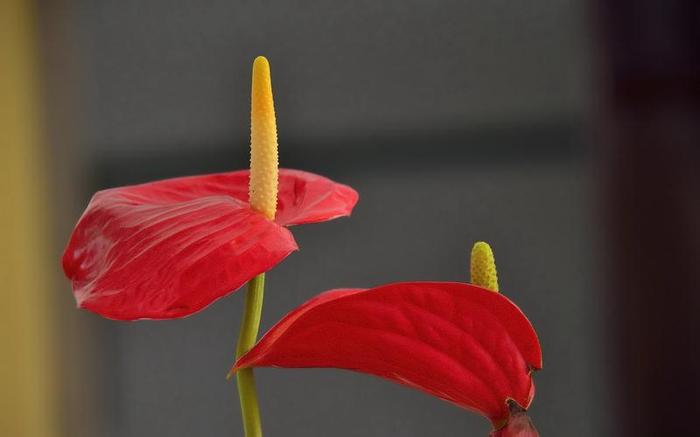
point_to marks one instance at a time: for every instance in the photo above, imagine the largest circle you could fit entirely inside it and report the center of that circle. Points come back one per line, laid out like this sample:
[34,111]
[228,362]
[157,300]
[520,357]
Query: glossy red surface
[459,342]
[169,248]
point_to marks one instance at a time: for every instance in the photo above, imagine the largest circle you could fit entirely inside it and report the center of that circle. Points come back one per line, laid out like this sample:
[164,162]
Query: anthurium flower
[169,248]
[460,342]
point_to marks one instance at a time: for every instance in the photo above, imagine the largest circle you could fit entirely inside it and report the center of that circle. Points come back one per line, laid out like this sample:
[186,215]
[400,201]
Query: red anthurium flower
[167,249]
[460,342]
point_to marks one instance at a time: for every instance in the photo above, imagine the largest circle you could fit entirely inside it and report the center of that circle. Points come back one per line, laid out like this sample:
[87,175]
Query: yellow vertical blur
[26,407]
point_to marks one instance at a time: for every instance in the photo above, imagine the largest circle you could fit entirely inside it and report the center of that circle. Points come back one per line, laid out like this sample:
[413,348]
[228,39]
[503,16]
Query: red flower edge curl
[459,342]
[169,248]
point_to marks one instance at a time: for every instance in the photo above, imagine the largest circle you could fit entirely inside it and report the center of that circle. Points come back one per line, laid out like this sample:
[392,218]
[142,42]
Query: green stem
[247,337]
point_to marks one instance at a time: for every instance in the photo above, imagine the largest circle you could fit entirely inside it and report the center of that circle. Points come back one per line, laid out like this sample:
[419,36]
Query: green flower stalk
[263,198]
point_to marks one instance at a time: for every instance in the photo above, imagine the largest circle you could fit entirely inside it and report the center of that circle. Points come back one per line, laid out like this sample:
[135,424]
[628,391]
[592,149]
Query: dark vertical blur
[649,59]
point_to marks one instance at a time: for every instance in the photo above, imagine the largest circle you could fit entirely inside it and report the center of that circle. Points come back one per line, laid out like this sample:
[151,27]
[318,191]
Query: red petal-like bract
[308,198]
[456,341]
[302,198]
[169,248]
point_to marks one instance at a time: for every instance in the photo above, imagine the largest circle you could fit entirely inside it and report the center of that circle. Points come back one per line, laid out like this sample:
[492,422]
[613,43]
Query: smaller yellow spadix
[263,142]
[483,267]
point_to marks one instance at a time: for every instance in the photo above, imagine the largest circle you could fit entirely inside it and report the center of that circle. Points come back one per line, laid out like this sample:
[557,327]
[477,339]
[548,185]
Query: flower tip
[261,62]
[261,73]
[481,245]
[483,266]
[262,82]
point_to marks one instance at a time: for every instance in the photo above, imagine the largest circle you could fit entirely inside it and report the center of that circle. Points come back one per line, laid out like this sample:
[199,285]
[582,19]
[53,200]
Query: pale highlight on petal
[483,267]
[263,142]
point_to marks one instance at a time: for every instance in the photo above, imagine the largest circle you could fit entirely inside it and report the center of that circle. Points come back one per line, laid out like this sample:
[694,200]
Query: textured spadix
[483,266]
[263,141]
[456,341]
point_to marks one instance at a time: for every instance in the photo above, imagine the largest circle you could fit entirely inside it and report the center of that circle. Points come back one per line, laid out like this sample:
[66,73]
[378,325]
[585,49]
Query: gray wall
[168,72]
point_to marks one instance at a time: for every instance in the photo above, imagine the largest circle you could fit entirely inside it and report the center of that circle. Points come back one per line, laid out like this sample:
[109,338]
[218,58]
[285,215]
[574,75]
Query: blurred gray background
[457,121]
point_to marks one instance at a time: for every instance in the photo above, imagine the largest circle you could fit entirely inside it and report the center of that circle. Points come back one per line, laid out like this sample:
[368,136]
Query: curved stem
[247,393]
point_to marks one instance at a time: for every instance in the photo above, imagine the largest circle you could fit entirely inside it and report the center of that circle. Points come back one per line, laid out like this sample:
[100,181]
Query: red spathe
[462,343]
[169,248]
